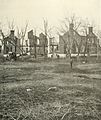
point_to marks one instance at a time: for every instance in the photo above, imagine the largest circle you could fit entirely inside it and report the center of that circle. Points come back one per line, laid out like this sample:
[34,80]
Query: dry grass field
[50,90]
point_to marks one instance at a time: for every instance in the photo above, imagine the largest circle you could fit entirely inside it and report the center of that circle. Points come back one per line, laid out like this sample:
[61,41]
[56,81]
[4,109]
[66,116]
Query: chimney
[12,32]
[71,26]
[90,30]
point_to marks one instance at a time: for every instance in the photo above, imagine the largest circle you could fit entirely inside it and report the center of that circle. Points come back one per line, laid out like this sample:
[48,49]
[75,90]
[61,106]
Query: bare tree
[71,39]
[85,26]
[35,42]
[11,24]
[98,32]
[71,19]
[47,31]
[45,25]
[21,35]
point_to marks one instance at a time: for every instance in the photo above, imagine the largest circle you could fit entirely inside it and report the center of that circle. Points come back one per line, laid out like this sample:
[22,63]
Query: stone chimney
[12,32]
[90,29]
[71,26]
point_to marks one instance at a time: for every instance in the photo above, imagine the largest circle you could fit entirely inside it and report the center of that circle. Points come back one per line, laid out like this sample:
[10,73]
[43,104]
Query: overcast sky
[54,10]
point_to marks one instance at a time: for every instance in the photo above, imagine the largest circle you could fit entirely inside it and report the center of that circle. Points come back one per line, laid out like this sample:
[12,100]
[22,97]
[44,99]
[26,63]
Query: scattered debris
[28,89]
[52,89]
[83,62]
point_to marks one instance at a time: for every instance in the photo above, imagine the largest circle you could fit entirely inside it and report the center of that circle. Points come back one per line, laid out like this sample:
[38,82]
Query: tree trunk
[44,49]
[22,44]
[35,51]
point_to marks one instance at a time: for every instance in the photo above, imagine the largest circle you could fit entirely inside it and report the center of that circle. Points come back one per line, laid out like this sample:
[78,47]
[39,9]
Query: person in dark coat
[14,56]
[71,63]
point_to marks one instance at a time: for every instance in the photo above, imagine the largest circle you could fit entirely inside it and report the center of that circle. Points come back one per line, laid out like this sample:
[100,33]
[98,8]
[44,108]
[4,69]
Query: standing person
[71,62]
[14,56]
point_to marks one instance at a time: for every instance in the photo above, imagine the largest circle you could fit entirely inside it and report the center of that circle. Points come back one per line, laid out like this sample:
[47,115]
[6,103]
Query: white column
[48,45]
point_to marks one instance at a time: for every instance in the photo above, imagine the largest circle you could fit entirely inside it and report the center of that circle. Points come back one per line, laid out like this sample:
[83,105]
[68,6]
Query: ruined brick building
[11,43]
[74,43]
[39,44]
